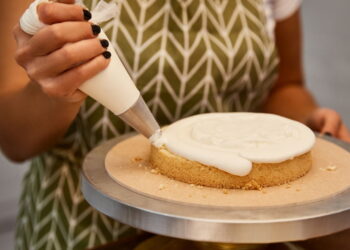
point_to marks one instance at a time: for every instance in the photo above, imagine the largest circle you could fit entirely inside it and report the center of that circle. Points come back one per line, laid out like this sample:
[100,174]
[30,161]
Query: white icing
[157,139]
[232,141]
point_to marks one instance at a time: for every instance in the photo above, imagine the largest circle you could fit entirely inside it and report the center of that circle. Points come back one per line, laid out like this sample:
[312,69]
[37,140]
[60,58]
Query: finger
[331,124]
[20,36]
[344,133]
[66,58]
[50,13]
[67,83]
[55,36]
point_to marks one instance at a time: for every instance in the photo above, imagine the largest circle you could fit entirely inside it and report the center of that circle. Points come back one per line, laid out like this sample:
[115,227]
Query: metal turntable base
[201,223]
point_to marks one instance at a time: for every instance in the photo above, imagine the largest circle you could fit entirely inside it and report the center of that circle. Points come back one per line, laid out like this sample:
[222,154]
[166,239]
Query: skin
[36,113]
[289,97]
[50,98]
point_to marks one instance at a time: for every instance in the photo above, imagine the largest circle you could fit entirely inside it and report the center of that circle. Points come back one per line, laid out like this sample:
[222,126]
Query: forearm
[292,101]
[289,97]
[31,122]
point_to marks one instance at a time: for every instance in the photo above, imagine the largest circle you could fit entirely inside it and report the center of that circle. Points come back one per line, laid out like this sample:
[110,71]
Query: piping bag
[113,87]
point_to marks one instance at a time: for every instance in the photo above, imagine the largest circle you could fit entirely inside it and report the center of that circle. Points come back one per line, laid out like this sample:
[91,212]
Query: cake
[233,150]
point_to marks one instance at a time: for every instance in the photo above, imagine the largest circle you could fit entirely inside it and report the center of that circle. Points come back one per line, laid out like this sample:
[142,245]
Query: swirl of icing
[232,141]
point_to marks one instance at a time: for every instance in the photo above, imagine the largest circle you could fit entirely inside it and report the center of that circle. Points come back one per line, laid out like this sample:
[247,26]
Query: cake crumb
[288,186]
[263,191]
[192,185]
[331,167]
[137,159]
[161,187]
[200,187]
[252,185]
[154,171]
[298,189]
[225,191]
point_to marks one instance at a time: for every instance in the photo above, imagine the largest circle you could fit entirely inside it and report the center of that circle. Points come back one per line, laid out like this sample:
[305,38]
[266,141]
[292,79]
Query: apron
[186,57]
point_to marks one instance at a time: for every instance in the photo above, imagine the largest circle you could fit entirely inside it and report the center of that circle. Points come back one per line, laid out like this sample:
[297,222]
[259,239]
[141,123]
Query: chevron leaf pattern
[186,57]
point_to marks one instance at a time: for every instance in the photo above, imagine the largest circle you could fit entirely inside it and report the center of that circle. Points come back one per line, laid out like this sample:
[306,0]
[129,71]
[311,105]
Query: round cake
[233,150]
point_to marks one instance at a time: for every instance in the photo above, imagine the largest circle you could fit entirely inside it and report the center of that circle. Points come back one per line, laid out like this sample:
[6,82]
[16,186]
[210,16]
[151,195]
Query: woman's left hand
[328,121]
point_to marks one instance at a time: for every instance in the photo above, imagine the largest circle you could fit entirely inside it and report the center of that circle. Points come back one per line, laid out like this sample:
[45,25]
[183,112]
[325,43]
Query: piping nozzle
[141,119]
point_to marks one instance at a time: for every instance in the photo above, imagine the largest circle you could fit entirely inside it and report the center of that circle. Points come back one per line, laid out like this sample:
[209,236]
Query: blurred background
[327,68]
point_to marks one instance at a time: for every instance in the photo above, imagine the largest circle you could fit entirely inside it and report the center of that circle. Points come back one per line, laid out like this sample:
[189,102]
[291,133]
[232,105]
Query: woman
[186,57]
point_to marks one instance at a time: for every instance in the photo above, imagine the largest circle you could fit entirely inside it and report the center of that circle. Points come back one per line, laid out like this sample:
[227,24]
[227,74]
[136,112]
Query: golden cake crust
[261,175]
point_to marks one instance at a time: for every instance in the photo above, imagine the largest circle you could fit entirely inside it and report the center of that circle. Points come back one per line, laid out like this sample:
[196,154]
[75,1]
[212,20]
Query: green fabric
[186,57]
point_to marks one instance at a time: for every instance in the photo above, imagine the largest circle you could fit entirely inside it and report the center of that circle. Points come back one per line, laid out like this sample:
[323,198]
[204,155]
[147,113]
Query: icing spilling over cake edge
[233,141]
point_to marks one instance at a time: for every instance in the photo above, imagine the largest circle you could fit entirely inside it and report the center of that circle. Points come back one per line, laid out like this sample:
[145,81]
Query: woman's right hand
[65,53]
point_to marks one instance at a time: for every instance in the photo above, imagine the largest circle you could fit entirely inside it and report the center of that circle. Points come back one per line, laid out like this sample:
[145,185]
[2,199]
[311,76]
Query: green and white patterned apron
[186,57]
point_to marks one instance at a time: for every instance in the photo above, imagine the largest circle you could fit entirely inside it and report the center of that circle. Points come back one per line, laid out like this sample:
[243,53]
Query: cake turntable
[200,223]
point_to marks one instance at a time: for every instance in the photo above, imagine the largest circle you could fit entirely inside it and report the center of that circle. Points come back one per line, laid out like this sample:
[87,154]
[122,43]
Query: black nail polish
[107,54]
[328,133]
[104,43]
[87,15]
[96,29]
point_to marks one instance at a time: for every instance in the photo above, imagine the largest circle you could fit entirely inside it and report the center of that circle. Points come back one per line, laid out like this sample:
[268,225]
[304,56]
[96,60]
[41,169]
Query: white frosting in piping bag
[232,141]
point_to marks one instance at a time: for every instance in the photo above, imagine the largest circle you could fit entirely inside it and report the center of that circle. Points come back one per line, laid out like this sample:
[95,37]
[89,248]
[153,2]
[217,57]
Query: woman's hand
[328,121]
[65,53]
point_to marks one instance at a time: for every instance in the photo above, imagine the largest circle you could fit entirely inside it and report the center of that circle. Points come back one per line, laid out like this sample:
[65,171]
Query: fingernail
[104,43]
[107,54]
[87,15]
[328,133]
[96,29]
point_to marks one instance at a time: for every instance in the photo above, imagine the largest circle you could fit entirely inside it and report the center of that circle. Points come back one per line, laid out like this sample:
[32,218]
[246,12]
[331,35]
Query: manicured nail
[87,15]
[107,54]
[96,29]
[104,43]
[328,133]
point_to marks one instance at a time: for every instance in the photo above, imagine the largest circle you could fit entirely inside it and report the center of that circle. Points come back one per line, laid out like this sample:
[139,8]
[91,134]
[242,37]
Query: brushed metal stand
[180,244]
[211,224]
